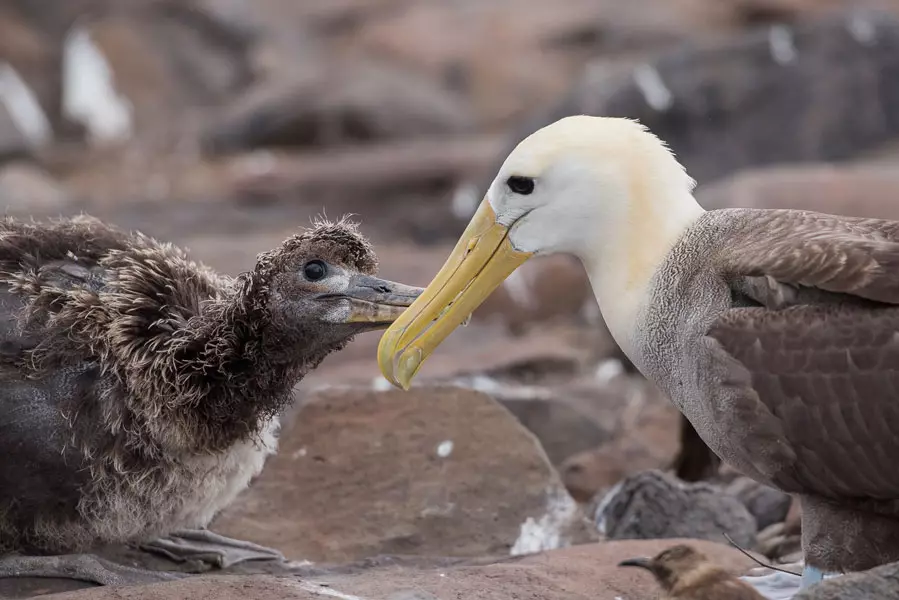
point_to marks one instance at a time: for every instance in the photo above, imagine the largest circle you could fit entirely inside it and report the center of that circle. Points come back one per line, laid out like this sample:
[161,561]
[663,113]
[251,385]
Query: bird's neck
[625,257]
[227,373]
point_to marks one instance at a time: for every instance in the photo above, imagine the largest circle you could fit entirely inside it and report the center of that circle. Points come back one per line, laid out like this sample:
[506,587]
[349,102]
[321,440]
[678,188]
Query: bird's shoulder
[832,253]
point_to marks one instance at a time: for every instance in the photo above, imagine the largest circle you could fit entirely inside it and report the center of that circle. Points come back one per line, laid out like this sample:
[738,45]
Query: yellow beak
[479,263]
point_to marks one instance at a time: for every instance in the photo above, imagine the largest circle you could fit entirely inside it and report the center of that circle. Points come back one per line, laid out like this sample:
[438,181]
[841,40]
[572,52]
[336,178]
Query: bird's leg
[210,548]
[82,567]
[810,575]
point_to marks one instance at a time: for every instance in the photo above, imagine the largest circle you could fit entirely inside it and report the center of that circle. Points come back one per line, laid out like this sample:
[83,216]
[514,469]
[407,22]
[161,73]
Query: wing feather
[821,354]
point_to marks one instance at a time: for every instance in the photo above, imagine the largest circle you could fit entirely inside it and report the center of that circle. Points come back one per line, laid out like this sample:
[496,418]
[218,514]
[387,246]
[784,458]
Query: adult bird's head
[603,189]
[320,283]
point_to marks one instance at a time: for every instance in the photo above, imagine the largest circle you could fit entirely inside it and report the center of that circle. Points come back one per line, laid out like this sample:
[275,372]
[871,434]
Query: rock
[12,143]
[649,443]
[766,504]
[26,189]
[881,583]
[429,472]
[771,95]
[338,104]
[651,505]
[35,58]
[856,190]
[573,411]
[780,542]
[760,11]
[587,572]
[512,56]
[541,289]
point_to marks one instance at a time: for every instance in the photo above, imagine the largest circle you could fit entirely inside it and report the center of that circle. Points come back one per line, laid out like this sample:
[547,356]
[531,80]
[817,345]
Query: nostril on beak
[383,289]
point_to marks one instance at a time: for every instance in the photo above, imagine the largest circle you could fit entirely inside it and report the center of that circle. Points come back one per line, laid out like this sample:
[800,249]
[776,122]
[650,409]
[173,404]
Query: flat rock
[429,472]
[25,189]
[852,190]
[542,289]
[770,95]
[766,504]
[338,104]
[648,440]
[881,583]
[12,143]
[652,504]
[587,572]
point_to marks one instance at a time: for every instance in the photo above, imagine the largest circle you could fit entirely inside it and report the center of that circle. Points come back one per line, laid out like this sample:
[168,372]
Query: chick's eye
[520,185]
[315,270]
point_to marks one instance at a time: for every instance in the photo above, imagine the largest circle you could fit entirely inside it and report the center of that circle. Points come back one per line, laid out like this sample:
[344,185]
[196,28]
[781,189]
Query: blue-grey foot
[210,548]
[82,567]
[810,576]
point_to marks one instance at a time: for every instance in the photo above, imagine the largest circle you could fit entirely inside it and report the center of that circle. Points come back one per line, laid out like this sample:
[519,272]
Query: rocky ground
[529,458]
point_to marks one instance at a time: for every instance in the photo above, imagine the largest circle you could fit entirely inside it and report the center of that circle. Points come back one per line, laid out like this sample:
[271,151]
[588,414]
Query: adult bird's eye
[315,270]
[520,185]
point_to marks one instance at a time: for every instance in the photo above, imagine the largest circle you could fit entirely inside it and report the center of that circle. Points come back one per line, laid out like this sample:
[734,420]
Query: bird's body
[775,332]
[686,574]
[141,391]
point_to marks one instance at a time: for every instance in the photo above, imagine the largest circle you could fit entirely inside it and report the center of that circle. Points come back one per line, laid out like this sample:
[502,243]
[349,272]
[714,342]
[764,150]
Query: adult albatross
[775,332]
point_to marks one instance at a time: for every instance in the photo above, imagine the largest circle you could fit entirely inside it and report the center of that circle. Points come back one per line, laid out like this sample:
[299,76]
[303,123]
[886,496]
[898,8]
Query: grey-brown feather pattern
[777,334]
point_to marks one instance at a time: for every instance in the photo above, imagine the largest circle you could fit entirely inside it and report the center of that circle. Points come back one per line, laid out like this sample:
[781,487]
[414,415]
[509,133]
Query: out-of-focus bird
[687,574]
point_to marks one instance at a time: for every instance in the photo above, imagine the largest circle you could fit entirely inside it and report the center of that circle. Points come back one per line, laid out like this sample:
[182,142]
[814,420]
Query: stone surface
[540,290]
[12,143]
[854,190]
[770,95]
[881,583]
[24,188]
[338,104]
[767,505]
[429,472]
[587,572]
[652,505]
[649,441]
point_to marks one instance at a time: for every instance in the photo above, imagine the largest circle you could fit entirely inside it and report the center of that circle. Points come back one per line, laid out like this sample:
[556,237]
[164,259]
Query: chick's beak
[378,302]
[481,260]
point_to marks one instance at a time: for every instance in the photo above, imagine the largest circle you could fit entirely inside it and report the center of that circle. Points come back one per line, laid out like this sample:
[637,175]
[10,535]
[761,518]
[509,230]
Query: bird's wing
[40,472]
[814,377]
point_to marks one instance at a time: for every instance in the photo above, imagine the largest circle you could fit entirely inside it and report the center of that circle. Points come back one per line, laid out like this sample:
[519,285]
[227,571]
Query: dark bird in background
[141,392]
[687,574]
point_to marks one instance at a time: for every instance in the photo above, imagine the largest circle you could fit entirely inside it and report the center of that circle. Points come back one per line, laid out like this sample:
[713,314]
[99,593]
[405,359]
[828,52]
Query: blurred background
[224,125]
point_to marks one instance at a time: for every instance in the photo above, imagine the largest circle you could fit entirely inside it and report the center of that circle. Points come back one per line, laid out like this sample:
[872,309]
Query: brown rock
[859,191]
[339,103]
[766,504]
[541,289]
[25,189]
[36,55]
[704,99]
[651,505]
[432,471]
[12,143]
[587,572]
[510,56]
[881,583]
[648,443]
[168,61]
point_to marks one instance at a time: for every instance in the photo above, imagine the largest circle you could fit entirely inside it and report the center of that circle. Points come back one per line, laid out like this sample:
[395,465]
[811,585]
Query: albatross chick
[775,332]
[687,574]
[142,391]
